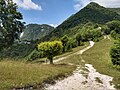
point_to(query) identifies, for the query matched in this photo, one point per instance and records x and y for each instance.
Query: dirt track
(83, 80)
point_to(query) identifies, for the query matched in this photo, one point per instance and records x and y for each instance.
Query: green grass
(70, 52)
(99, 57)
(18, 74)
(15, 74)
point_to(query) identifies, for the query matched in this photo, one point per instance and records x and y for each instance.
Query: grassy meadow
(99, 57)
(14, 74)
(19, 74)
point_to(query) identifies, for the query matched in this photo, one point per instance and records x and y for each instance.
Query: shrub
(35, 55)
(64, 41)
(115, 53)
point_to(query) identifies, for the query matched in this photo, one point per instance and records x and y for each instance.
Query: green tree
(115, 53)
(50, 49)
(96, 26)
(113, 34)
(78, 38)
(64, 41)
(114, 25)
(105, 30)
(10, 24)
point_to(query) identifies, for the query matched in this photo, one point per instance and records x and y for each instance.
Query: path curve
(79, 52)
(83, 80)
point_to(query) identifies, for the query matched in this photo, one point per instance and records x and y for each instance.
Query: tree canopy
(64, 41)
(10, 24)
(115, 53)
(50, 49)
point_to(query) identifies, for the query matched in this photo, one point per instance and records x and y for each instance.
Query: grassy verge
(99, 57)
(70, 52)
(15, 74)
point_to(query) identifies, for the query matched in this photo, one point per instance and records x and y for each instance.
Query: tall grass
(99, 57)
(14, 74)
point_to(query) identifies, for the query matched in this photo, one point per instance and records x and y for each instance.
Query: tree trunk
(63, 48)
(51, 60)
(78, 43)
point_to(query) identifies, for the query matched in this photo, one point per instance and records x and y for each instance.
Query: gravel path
(87, 79)
(79, 52)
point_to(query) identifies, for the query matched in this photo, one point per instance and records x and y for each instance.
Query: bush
(64, 41)
(115, 53)
(35, 55)
(94, 35)
(115, 35)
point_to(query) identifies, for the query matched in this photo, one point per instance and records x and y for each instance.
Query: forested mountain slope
(93, 12)
(36, 31)
(117, 10)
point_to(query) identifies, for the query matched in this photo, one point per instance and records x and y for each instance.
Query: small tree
(105, 30)
(115, 53)
(114, 25)
(51, 49)
(64, 41)
(78, 38)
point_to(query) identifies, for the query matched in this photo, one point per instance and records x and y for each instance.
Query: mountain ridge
(36, 31)
(93, 12)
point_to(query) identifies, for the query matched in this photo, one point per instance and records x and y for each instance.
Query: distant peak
(93, 4)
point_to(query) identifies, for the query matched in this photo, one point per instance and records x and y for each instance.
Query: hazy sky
(54, 12)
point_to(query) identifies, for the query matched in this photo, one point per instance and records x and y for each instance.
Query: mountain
(93, 12)
(35, 31)
(117, 10)
(23, 49)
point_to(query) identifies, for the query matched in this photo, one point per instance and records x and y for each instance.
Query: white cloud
(27, 4)
(106, 3)
(77, 7)
(80, 4)
(53, 25)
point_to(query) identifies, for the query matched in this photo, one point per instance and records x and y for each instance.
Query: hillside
(17, 51)
(35, 31)
(31, 32)
(117, 10)
(93, 12)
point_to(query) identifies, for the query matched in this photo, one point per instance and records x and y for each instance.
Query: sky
(54, 12)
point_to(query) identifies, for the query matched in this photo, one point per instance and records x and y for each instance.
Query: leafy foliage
(105, 30)
(64, 41)
(17, 51)
(117, 10)
(115, 53)
(50, 49)
(35, 54)
(10, 24)
(91, 34)
(78, 38)
(114, 25)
